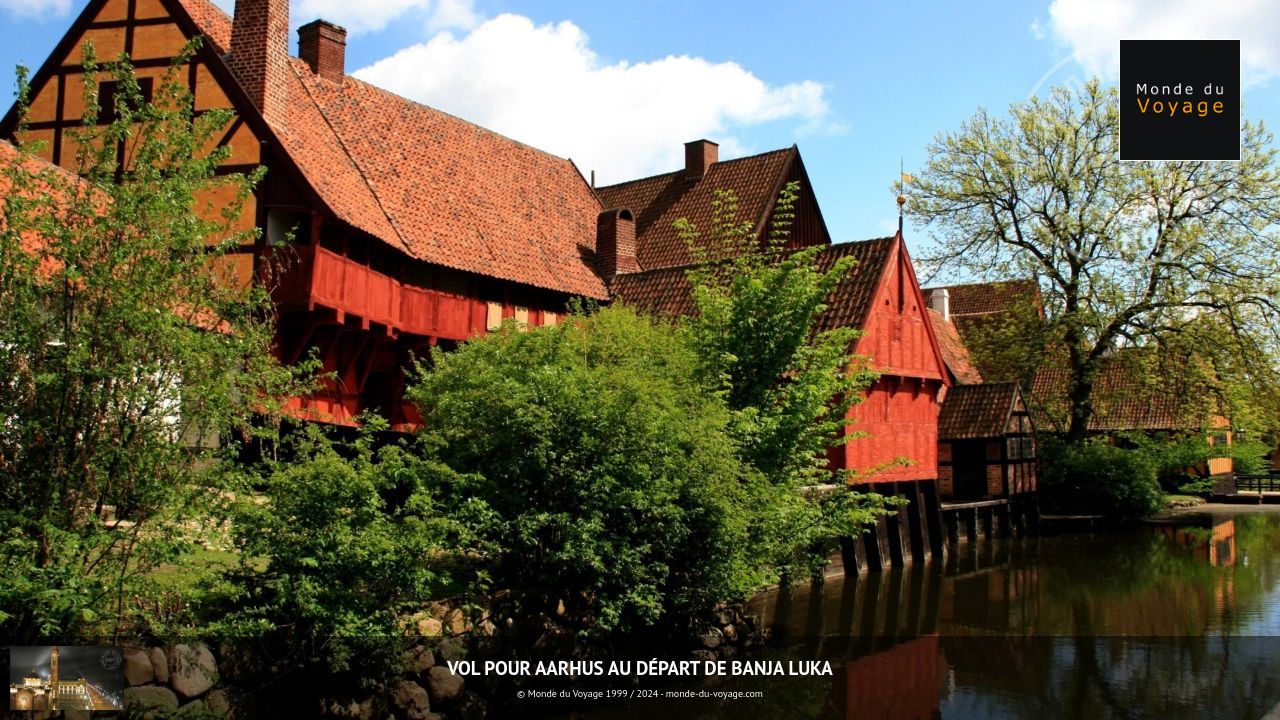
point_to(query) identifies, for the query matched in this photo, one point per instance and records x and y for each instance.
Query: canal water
(1180, 620)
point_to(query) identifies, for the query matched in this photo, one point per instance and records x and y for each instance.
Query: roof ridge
(354, 163)
(677, 172)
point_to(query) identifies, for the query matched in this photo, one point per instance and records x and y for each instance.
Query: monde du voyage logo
(1179, 99)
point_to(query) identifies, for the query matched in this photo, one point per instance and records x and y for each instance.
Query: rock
(192, 669)
(159, 664)
(452, 649)
(218, 702)
(712, 639)
(418, 659)
(704, 655)
(148, 697)
(444, 685)
(411, 700)
(430, 627)
(195, 707)
(137, 667)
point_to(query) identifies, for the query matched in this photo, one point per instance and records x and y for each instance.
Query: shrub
(594, 470)
(1095, 477)
(332, 555)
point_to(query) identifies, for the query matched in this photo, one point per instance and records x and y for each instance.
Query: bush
(1098, 478)
(594, 470)
(337, 550)
(1251, 457)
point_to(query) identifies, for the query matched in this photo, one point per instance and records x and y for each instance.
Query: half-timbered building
(403, 227)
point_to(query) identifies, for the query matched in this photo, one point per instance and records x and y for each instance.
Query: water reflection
(1166, 622)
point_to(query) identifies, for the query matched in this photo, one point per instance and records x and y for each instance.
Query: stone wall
(180, 679)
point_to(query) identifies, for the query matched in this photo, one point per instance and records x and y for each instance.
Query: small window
(108, 91)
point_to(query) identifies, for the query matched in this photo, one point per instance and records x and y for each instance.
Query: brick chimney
(323, 46)
(260, 55)
(699, 155)
(616, 243)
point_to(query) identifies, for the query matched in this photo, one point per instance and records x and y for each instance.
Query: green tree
(124, 355)
(593, 470)
(344, 542)
(1127, 252)
(788, 384)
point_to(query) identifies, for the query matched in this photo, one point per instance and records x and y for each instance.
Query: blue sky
(620, 86)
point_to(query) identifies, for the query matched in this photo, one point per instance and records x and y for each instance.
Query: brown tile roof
(850, 302)
(987, 298)
(440, 189)
(954, 352)
(212, 21)
(1124, 399)
(666, 291)
(972, 412)
(660, 200)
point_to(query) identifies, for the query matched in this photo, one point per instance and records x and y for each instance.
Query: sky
(860, 87)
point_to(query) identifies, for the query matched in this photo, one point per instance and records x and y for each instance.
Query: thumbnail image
(50, 677)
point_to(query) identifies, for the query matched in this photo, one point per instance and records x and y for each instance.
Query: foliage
(1096, 477)
(1126, 253)
(788, 385)
(122, 345)
(593, 470)
(1250, 457)
(347, 533)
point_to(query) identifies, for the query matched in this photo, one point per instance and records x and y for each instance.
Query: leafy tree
(1095, 476)
(1127, 253)
(593, 470)
(339, 547)
(788, 385)
(122, 346)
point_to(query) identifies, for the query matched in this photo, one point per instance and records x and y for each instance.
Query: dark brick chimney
(699, 155)
(323, 46)
(260, 55)
(616, 243)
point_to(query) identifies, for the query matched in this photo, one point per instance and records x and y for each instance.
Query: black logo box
(1185, 69)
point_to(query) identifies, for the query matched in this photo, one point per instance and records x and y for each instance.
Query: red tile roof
(666, 291)
(850, 301)
(987, 298)
(974, 412)
(440, 189)
(659, 201)
(1124, 399)
(954, 352)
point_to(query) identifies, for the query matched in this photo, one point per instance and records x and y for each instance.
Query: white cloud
(35, 9)
(453, 14)
(1092, 29)
(545, 86)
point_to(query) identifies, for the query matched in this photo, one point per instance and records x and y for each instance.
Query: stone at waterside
(192, 669)
(443, 685)
(193, 708)
(159, 664)
(412, 700)
(149, 697)
(137, 667)
(419, 660)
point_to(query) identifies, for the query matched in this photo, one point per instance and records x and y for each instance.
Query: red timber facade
(899, 414)
(376, 268)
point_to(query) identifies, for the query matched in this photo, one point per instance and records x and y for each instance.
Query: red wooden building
(410, 227)
(403, 227)
(881, 296)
